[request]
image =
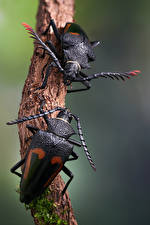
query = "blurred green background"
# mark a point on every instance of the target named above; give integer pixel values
(114, 115)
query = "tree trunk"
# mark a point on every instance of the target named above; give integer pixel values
(53, 94)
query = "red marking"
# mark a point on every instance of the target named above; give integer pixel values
(134, 72)
(54, 160)
(74, 33)
(28, 28)
(39, 152)
(41, 155)
(137, 71)
(67, 27)
(27, 166)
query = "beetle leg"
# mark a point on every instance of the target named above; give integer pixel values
(75, 156)
(46, 77)
(41, 111)
(42, 73)
(48, 70)
(32, 129)
(83, 74)
(52, 47)
(85, 83)
(28, 139)
(74, 142)
(18, 164)
(69, 173)
(56, 32)
(82, 78)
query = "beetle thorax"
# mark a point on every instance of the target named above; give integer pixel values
(60, 127)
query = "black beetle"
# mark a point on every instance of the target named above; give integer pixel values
(76, 53)
(48, 152)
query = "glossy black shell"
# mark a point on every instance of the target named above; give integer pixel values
(38, 172)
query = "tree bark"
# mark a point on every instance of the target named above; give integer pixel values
(61, 11)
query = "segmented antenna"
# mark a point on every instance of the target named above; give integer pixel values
(44, 46)
(21, 120)
(114, 75)
(83, 142)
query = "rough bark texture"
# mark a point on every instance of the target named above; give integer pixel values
(61, 11)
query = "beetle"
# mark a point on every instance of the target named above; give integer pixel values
(47, 153)
(76, 54)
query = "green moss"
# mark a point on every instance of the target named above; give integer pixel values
(45, 210)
